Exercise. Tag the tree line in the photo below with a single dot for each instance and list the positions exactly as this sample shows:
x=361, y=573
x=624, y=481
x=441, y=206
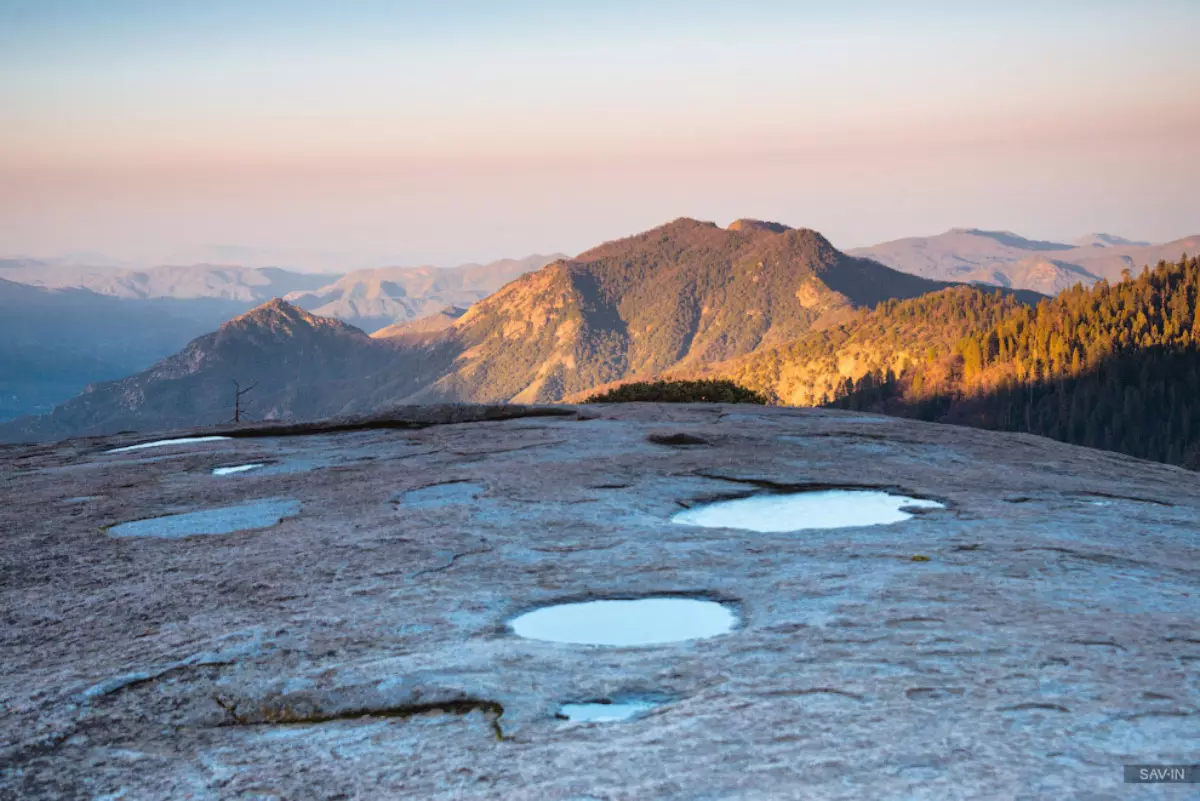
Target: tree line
x=1112, y=366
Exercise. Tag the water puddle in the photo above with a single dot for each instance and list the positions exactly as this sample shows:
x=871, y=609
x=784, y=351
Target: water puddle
x=645, y=621
x=605, y=711
x=241, y=468
x=825, y=509
x=438, y=495
x=164, y=442
x=226, y=520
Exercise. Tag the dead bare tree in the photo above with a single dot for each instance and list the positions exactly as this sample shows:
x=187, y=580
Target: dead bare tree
x=238, y=392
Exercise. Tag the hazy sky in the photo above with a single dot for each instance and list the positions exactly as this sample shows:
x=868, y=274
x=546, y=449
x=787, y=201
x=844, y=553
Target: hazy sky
x=442, y=131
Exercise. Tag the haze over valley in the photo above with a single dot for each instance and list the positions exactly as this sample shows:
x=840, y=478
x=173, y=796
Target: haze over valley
x=756, y=302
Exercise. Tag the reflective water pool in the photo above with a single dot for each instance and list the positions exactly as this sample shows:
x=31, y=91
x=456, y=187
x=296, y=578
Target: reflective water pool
x=805, y=510
x=159, y=443
x=437, y=495
x=610, y=712
x=241, y=468
x=225, y=520
x=645, y=621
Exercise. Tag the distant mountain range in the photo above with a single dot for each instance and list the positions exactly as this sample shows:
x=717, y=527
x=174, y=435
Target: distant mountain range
x=54, y=342
x=687, y=293
x=368, y=299
x=253, y=285
x=685, y=298
x=1001, y=258
x=64, y=326
x=373, y=299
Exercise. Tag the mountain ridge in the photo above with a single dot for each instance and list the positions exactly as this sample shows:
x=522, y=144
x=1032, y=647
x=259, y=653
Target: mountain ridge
x=1002, y=258
x=686, y=293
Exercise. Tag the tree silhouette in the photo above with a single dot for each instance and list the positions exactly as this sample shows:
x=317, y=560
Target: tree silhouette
x=238, y=392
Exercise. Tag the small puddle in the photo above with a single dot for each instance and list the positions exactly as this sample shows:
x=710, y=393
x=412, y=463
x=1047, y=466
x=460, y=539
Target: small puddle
x=159, y=443
x=241, y=468
x=437, y=495
x=226, y=520
x=823, y=509
x=605, y=711
x=645, y=621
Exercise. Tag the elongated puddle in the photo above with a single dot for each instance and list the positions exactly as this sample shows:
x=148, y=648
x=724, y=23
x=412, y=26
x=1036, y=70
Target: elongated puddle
x=241, y=468
x=438, y=495
x=605, y=711
x=805, y=510
x=226, y=520
x=645, y=621
x=160, y=443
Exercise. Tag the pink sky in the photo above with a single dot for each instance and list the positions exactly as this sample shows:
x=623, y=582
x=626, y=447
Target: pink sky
x=146, y=137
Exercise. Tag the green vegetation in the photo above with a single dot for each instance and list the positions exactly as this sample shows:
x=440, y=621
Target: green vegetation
x=1113, y=367
x=894, y=336
x=706, y=391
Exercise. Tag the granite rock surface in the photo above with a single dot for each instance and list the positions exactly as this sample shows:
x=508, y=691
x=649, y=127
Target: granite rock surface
x=1025, y=641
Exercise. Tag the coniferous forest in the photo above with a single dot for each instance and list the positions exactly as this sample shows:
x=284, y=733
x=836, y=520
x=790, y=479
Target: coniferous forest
x=1115, y=367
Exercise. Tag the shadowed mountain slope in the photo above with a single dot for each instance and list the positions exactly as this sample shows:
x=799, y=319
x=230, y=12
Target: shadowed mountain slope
x=681, y=296
x=54, y=342
x=302, y=366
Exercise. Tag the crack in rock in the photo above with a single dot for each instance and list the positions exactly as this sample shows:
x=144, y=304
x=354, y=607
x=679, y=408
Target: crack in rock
x=815, y=691
x=449, y=562
x=1031, y=706
x=512, y=449
x=282, y=712
x=120, y=683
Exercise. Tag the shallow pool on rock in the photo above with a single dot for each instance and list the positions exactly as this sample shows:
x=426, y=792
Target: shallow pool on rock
x=823, y=509
x=644, y=621
x=437, y=495
x=161, y=443
x=241, y=468
x=606, y=712
x=225, y=520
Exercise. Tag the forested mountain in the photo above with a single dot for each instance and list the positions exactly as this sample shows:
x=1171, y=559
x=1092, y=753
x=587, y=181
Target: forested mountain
x=777, y=310
x=814, y=369
x=685, y=294
x=1114, y=367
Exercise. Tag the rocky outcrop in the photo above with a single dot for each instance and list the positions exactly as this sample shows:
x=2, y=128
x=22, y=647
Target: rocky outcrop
x=1024, y=641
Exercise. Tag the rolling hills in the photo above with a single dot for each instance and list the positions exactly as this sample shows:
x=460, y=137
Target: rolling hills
x=1002, y=258
x=376, y=298
x=685, y=294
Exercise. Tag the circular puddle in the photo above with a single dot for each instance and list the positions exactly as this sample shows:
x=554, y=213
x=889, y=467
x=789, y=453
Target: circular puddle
x=644, y=621
x=823, y=509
